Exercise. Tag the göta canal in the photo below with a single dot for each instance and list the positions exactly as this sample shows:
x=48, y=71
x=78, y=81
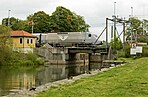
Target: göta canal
x=13, y=79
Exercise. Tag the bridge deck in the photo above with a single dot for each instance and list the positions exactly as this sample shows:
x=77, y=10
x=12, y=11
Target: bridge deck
x=87, y=50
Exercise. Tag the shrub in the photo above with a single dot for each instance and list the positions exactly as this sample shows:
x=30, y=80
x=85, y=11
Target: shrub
x=145, y=51
x=125, y=52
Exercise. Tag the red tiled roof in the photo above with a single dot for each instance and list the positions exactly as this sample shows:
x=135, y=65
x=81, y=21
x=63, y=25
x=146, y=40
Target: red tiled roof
x=21, y=33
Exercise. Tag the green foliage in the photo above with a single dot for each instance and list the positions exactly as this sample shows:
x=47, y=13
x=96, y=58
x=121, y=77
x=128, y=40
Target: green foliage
x=31, y=56
x=20, y=25
x=136, y=25
x=63, y=20
x=4, y=29
x=116, y=44
x=5, y=44
x=138, y=28
x=13, y=20
x=143, y=38
x=41, y=22
x=125, y=52
x=5, y=55
x=16, y=24
x=145, y=51
x=9, y=57
x=145, y=26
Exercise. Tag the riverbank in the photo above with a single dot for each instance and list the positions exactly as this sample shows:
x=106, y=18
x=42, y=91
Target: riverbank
x=46, y=87
x=130, y=80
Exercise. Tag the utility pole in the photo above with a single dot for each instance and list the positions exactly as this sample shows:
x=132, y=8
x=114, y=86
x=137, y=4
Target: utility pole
x=124, y=32
x=32, y=23
x=131, y=11
x=9, y=17
x=114, y=19
x=114, y=8
x=131, y=27
x=106, y=32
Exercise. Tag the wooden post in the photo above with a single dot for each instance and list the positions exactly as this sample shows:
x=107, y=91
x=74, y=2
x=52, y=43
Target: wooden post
x=123, y=33
x=89, y=67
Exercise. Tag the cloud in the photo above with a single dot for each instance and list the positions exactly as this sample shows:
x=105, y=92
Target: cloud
x=93, y=11
x=22, y=8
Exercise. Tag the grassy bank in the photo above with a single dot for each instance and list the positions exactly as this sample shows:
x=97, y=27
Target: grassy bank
x=130, y=80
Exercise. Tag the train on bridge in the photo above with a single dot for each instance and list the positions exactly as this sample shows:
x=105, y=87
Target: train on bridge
x=68, y=39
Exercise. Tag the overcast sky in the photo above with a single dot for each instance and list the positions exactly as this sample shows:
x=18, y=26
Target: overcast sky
x=94, y=11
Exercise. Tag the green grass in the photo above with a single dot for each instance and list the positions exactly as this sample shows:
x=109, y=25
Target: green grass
x=130, y=80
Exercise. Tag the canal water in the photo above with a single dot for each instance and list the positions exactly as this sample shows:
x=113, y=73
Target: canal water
x=13, y=79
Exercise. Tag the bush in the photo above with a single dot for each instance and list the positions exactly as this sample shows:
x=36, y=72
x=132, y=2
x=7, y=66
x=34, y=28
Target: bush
x=125, y=52
x=31, y=56
x=145, y=51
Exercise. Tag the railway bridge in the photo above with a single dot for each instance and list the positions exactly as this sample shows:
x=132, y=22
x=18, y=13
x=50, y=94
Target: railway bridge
x=91, y=57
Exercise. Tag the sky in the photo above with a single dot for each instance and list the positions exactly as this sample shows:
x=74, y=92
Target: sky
x=93, y=11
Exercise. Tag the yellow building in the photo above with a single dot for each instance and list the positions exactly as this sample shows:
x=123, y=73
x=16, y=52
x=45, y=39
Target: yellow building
x=23, y=41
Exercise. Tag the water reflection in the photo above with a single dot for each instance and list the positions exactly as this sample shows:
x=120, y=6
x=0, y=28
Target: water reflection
x=13, y=79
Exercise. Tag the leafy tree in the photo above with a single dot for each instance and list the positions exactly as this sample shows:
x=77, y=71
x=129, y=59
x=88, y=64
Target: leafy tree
x=4, y=35
x=16, y=24
x=13, y=20
x=20, y=25
x=145, y=27
x=40, y=20
x=135, y=27
x=63, y=20
x=138, y=29
x=5, y=44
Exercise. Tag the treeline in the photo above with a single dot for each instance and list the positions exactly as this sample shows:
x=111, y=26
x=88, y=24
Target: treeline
x=61, y=20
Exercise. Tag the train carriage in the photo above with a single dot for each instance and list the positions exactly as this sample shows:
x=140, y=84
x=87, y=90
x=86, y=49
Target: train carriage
x=71, y=39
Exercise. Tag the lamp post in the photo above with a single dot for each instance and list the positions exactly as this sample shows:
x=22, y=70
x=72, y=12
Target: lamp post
x=9, y=17
x=32, y=28
x=131, y=11
x=114, y=19
x=114, y=8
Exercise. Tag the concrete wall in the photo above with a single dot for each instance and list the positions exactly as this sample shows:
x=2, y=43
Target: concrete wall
x=61, y=56
x=95, y=61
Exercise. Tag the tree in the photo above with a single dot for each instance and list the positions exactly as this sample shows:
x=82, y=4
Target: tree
x=145, y=27
x=5, y=44
x=135, y=28
x=136, y=25
x=138, y=29
x=13, y=20
x=4, y=35
x=40, y=21
x=20, y=25
x=63, y=20
x=16, y=24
